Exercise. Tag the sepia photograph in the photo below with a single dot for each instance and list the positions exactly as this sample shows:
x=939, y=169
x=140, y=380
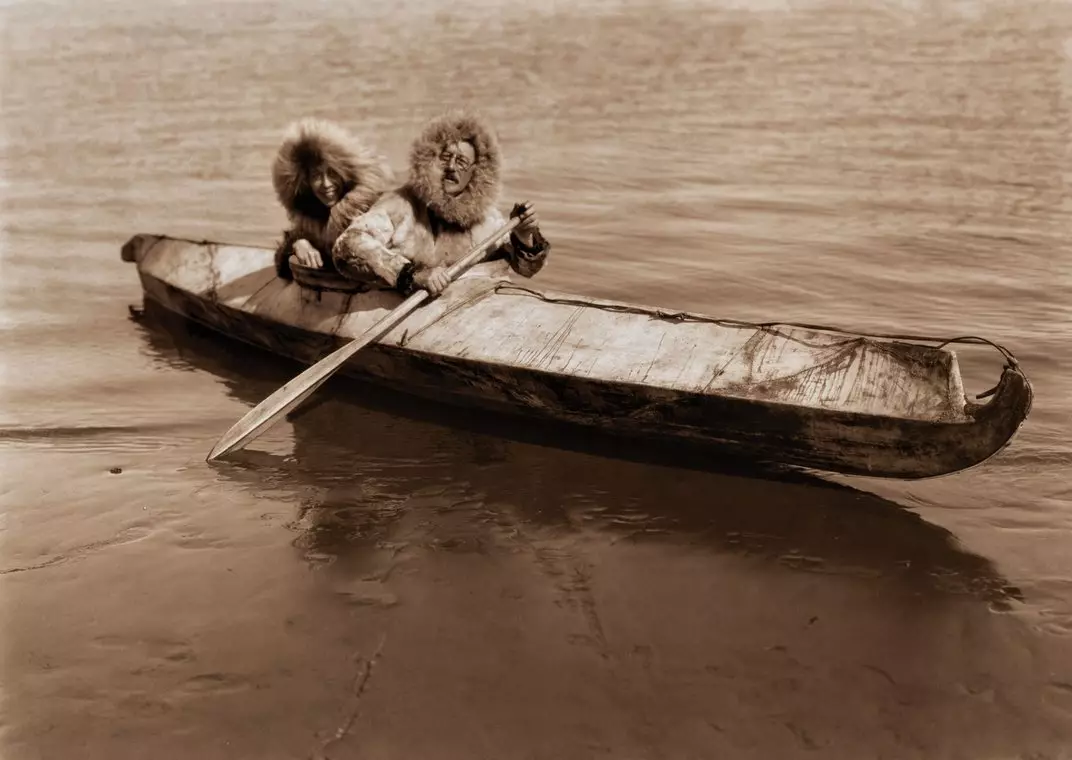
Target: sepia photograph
x=465, y=380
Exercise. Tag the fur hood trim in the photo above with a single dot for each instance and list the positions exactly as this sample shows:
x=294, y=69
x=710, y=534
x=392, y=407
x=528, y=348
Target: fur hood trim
x=470, y=206
x=311, y=143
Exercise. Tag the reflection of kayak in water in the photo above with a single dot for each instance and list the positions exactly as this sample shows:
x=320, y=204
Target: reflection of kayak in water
x=376, y=470
x=792, y=395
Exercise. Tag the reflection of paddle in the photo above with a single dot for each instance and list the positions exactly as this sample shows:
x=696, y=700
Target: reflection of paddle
x=294, y=392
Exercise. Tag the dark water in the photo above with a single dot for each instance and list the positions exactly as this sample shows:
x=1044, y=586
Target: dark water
x=371, y=581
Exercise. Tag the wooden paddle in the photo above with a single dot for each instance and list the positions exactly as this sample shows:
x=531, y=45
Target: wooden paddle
x=262, y=416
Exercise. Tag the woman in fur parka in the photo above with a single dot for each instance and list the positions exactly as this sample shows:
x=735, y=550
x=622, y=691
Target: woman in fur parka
x=411, y=235
x=324, y=177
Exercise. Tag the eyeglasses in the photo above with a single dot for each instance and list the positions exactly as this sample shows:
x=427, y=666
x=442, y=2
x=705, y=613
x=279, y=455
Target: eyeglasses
x=457, y=159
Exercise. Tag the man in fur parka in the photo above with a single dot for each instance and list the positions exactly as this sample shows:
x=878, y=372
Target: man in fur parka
x=411, y=235
x=324, y=177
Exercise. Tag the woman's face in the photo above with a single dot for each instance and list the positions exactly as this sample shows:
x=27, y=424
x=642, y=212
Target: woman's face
x=326, y=185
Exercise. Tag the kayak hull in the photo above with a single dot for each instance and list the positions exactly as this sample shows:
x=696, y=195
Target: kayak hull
x=774, y=395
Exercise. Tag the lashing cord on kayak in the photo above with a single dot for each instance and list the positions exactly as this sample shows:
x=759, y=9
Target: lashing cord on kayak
x=681, y=316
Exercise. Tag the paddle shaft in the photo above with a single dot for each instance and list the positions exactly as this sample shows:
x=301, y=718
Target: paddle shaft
x=261, y=417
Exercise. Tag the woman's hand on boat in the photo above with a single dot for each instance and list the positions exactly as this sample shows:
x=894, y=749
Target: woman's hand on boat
x=306, y=255
x=434, y=280
x=530, y=223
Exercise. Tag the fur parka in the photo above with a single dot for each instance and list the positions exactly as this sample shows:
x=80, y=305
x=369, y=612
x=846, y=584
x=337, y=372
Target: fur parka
x=420, y=226
x=308, y=145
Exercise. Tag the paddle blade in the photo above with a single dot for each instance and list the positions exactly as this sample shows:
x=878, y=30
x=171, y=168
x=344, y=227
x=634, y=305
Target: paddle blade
x=260, y=417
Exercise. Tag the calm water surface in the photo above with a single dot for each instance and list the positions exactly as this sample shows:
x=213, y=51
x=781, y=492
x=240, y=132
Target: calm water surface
x=367, y=582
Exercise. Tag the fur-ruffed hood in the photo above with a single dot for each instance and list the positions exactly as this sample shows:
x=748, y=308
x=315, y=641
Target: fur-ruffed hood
x=311, y=143
x=468, y=207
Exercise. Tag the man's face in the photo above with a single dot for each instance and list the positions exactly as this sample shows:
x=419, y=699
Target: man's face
x=457, y=162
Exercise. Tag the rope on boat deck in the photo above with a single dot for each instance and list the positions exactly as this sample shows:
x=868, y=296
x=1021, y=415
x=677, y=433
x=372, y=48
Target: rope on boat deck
x=681, y=316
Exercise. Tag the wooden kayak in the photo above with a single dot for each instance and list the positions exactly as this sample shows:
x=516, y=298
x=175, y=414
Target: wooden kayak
x=791, y=395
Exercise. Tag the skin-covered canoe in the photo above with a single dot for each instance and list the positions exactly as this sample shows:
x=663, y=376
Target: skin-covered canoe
x=790, y=395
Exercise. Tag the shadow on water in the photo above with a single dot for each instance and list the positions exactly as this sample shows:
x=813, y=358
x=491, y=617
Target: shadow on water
x=392, y=461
